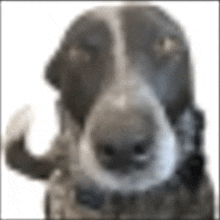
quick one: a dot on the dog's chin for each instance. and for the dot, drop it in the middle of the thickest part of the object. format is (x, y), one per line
(128, 182)
(91, 196)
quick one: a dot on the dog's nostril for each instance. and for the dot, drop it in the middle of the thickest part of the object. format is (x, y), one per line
(139, 149)
(108, 150)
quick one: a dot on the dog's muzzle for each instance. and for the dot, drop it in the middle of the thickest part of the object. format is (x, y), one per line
(127, 132)
(123, 131)
(123, 136)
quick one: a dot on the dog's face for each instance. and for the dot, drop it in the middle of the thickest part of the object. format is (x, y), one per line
(124, 75)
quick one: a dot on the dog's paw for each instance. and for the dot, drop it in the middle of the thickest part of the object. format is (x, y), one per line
(19, 124)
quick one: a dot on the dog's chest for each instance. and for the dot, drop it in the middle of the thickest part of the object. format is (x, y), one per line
(70, 202)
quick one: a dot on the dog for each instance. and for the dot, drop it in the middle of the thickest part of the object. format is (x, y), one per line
(130, 126)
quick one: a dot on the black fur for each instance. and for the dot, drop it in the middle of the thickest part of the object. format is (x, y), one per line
(91, 197)
(191, 171)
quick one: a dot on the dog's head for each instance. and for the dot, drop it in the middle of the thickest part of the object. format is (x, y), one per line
(124, 75)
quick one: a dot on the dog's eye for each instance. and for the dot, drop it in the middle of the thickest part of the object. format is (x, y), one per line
(167, 46)
(79, 56)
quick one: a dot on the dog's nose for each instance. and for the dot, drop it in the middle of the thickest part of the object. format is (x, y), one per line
(124, 153)
(123, 140)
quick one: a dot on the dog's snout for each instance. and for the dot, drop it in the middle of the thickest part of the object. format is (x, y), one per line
(123, 139)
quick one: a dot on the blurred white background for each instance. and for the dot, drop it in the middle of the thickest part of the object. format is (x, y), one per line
(31, 31)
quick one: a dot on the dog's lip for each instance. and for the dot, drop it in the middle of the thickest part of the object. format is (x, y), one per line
(132, 167)
(139, 161)
(146, 157)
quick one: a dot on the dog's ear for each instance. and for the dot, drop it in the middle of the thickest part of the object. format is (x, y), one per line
(63, 56)
(54, 68)
(63, 61)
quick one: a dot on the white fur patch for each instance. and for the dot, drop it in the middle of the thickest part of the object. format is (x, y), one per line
(167, 155)
(186, 125)
(112, 18)
(120, 102)
(19, 124)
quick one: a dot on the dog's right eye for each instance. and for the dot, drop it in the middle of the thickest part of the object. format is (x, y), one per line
(167, 50)
(167, 46)
(79, 56)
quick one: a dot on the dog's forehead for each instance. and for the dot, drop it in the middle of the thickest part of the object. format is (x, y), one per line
(140, 26)
(145, 25)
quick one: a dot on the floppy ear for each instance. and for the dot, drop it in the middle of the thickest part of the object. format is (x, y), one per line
(54, 69)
